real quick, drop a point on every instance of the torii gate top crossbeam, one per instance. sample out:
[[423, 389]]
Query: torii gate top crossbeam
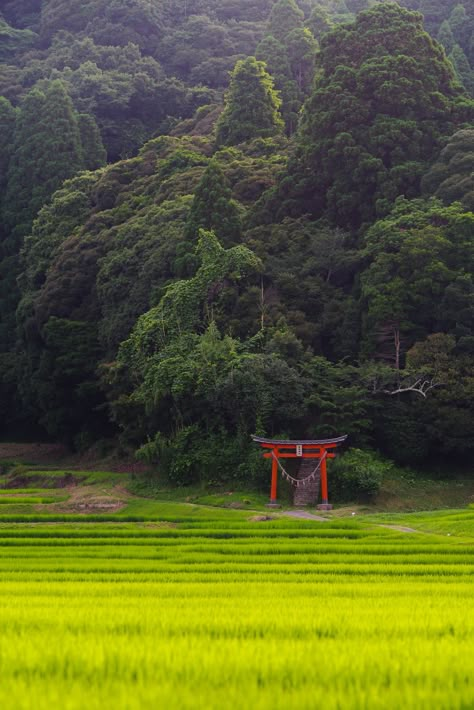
[[298, 442]]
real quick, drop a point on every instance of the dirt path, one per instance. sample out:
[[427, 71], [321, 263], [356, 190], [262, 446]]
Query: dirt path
[[400, 528], [304, 515]]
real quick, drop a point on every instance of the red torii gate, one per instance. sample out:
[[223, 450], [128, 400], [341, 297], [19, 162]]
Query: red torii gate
[[321, 449]]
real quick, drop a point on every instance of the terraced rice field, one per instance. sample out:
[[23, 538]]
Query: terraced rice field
[[209, 609]]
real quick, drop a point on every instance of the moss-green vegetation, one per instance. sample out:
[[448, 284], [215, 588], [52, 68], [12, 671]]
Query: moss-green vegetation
[[281, 242]]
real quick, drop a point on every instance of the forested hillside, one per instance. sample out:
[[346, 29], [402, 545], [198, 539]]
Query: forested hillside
[[227, 217]]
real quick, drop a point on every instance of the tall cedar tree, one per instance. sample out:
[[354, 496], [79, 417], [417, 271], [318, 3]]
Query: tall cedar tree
[[7, 128], [380, 110], [93, 151], [7, 274], [213, 208], [252, 105], [462, 67], [289, 51], [47, 151]]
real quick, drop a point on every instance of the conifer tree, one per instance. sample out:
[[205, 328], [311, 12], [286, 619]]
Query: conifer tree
[[252, 105], [93, 151], [47, 151], [460, 25], [289, 51], [446, 37], [7, 128], [213, 208], [463, 68]]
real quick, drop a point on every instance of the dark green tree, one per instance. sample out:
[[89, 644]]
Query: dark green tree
[[446, 37], [460, 25], [93, 151], [319, 22], [451, 177], [285, 17], [213, 208], [47, 151], [379, 112], [462, 67], [13, 41], [420, 277], [7, 129], [251, 106]]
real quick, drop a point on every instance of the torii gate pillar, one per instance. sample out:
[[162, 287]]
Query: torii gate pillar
[[321, 449]]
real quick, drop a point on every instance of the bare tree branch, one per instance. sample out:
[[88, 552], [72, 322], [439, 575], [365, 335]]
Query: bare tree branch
[[421, 387]]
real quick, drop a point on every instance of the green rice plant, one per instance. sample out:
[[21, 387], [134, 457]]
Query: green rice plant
[[201, 608]]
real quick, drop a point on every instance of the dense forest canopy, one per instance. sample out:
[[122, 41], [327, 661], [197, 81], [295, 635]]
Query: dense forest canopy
[[222, 218]]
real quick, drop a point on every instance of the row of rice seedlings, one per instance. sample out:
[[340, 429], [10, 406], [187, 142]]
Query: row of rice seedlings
[[29, 491]]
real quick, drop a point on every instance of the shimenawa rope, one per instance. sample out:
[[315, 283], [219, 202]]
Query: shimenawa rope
[[296, 481]]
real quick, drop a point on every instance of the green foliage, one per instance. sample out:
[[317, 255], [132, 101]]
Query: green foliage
[[383, 102], [47, 150], [289, 51], [115, 315], [450, 178], [7, 129], [462, 68], [285, 17], [420, 279], [14, 41], [66, 399], [252, 106], [93, 151], [213, 208], [357, 475]]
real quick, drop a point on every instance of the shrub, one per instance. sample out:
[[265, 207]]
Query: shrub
[[357, 475]]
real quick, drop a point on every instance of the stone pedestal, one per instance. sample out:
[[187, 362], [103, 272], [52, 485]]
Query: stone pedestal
[[309, 493], [324, 506]]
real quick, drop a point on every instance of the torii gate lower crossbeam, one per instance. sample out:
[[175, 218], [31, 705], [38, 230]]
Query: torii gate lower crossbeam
[[321, 449]]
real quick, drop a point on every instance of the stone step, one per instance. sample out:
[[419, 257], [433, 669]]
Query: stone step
[[308, 494]]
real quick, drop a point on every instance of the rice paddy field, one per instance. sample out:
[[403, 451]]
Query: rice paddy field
[[184, 606]]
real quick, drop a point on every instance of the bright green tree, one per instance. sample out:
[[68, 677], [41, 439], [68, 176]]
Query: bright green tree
[[251, 106]]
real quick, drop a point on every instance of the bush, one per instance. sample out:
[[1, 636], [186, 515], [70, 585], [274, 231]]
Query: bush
[[193, 456], [357, 475]]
